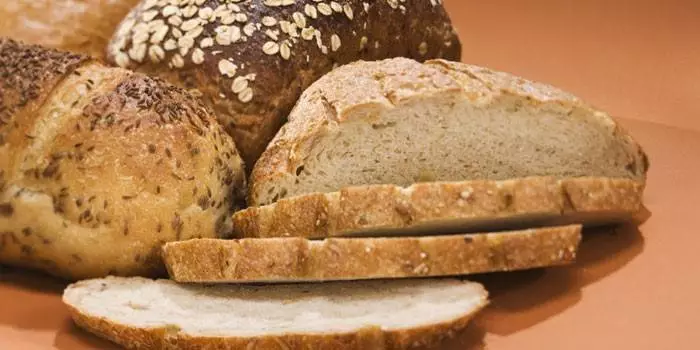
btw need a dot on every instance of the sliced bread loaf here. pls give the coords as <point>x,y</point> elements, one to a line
<point>301,260</point>
<point>147,314</point>
<point>445,207</point>
<point>400,122</point>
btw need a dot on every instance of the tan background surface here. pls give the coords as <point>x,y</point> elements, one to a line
<point>631,288</point>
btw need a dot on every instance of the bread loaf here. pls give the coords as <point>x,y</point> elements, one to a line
<point>284,260</point>
<point>401,122</point>
<point>138,313</point>
<point>431,208</point>
<point>101,166</point>
<point>82,26</point>
<point>252,59</point>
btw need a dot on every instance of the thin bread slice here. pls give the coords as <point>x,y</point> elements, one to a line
<point>401,122</point>
<point>147,314</point>
<point>285,260</point>
<point>445,207</point>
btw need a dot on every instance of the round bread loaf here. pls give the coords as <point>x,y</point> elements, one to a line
<point>401,122</point>
<point>101,166</point>
<point>252,59</point>
<point>83,26</point>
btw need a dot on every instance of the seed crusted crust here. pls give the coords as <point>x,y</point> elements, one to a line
<point>358,89</point>
<point>107,159</point>
<point>480,204</point>
<point>28,75</point>
<point>284,260</point>
<point>252,59</point>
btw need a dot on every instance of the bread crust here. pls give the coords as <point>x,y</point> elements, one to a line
<point>363,89</point>
<point>98,166</point>
<point>284,260</point>
<point>480,204</point>
<point>82,26</point>
<point>318,41</point>
<point>368,338</point>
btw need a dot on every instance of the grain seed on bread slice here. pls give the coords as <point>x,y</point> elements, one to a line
<point>444,207</point>
<point>401,122</point>
<point>147,314</point>
<point>285,260</point>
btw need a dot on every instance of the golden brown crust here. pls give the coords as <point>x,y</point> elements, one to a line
<point>108,160</point>
<point>28,74</point>
<point>371,88</point>
<point>299,259</point>
<point>370,338</point>
<point>480,205</point>
<point>418,29</point>
<point>82,26</point>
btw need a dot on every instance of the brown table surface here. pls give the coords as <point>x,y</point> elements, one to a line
<point>632,288</point>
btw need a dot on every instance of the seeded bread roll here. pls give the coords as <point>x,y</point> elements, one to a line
<point>252,59</point>
<point>83,26</point>
<point>101,166</point>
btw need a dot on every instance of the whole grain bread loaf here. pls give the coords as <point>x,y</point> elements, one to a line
<point>80,26</point>
<point>400,122</point>
<point>100,166</point>
<point>139,313</point>
<point>285,260</point>
<point>252,59</point>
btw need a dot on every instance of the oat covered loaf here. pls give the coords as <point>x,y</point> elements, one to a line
<point>101,166</point>
<point>401,122</point>
<point>82,26</point>
<point>252,59</point>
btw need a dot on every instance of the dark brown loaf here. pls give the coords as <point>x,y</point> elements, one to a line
<point>82,26</point>
<point>275,60</point>
<point>100,166</point>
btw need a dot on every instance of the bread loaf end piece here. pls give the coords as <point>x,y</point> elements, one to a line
<point>401,122</point>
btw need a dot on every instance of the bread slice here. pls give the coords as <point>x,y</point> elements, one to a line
<point>301,260</point>
<point>401,122</point>
<point>147,314</point>
<point>445,207</point>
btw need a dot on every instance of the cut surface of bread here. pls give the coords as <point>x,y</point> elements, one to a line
<point>148,314</point>
<point>445,207</point>
<point>401,122</point>
<point>301,260</point>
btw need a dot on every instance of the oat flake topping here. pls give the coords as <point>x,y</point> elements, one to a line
<point>188,33</point>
